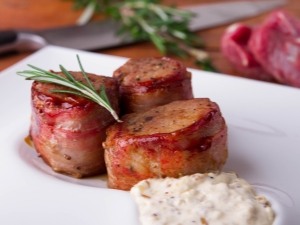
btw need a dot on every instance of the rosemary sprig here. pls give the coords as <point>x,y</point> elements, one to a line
<point>79,88</point>
<point>166,27</point>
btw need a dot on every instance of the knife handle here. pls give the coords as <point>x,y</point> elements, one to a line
<point>8,37</point>
<point>11,41</point>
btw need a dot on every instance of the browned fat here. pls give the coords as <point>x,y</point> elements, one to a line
<point>171,117</point>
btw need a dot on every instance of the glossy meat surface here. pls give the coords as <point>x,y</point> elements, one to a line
<point>149,82</point>
<point>68,130</point>
<point>180,138</point>
<point>276,46</point>
<point>235,48</point>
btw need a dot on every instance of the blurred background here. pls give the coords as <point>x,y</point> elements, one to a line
<point>41,14</point>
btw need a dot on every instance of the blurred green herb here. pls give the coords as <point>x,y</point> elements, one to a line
<point>147,20</point>
<point>206,65</point>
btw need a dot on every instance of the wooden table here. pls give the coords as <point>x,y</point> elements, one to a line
<point>38,14</point>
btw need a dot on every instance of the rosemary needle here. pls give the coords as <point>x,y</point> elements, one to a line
<point>79,88</point>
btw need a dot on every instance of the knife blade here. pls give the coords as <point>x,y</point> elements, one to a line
<point>102,34</point>
<point>216,14</point>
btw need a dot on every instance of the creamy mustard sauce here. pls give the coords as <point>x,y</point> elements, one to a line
<point>205,199</point>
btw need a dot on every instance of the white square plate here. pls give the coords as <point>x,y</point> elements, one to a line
<point>264,148</point>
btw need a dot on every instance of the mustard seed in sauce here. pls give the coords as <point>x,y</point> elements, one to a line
<point>202,199</point>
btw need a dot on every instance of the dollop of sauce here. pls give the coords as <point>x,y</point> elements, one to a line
<point>204,199</point>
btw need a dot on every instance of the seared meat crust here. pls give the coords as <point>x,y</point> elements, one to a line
<point>180,138</point>
<point>68,130</point>
<point>148,82</point>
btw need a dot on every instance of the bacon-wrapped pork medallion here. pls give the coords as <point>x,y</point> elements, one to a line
<point>148,82</point>
<point>180,138</point>
<point>68,130</point>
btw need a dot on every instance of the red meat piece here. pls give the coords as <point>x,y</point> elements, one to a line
<point>276,46</point>
<point>235,48</point>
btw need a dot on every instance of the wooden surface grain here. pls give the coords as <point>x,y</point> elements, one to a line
<point>39,14</point>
